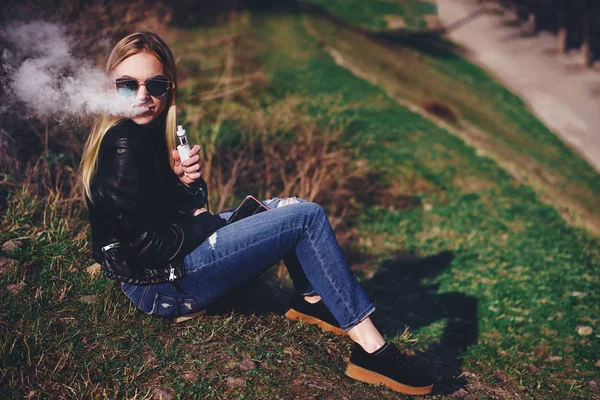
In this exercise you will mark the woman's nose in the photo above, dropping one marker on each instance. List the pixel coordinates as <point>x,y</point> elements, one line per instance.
<point>142,93</point>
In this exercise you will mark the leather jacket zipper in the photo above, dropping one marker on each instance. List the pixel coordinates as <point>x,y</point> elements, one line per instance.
<point>172,275</point>
<point>111,246</point>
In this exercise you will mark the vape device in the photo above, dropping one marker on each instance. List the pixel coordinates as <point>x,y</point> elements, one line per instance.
<point>183,147</point>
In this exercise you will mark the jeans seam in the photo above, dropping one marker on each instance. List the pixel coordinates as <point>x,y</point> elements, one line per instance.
<point>143,297</point>
<point>326,271</point>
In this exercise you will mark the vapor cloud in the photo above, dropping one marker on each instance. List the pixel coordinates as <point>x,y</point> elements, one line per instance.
<point>45,76</point>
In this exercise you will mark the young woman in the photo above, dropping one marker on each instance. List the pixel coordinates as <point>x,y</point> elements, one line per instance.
<point>152,232</point>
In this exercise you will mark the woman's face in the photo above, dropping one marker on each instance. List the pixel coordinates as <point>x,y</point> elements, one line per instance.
<point>141,67</point>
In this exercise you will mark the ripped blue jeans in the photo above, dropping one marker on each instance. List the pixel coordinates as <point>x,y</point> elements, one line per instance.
<point>294,230</point>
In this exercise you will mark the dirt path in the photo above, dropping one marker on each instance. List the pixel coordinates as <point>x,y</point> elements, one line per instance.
<point>556,87</point>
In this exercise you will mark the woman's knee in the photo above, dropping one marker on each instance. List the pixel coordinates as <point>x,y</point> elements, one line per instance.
<point>313,209</point>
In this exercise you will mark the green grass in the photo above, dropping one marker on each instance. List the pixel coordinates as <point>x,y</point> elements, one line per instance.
<point>487,114</point>
<point>484,275</point>
<point>514,255</point>
<point>372,14</point>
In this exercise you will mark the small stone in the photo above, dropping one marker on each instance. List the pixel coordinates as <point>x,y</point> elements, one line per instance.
<point>427,207</point>
<point>579,295</point>
<point>6,265</point>
<point>16,287</point>
<point>11,245</point>
<point>159,393</point>
<point>480,152</point>
<point>7,262</point>
<point>247,364</point>
<point>190,376</point>
<point>229,365</point>
<point>89,299</point>
<point>584,330</point>
<point>534,369</point>
<point>235,382</point>
<point>460,394</point>
<point>94,270</point>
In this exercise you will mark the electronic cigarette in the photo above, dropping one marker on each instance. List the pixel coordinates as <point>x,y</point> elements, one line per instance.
<point>183,147</point>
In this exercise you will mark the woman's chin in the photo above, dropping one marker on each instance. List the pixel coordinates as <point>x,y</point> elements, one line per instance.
<point>144,119</point>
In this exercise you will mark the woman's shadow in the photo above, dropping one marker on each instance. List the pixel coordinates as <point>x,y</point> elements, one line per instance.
<point>405,297</point>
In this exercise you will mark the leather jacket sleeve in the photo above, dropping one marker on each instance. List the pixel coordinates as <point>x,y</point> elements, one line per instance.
<point>146,240</point>
<point>192,196</point>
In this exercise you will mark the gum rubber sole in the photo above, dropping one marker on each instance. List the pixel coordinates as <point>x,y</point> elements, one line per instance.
<point>364,375</point>
<point>298,316</point>
<point>187,317</point>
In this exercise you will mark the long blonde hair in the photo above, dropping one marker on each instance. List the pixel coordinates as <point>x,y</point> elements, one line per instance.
<point>143,41</point>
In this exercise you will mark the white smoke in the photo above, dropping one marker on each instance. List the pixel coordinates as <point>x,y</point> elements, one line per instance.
<point>44,75</point>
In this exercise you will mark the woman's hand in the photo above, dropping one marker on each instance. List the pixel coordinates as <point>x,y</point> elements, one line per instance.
<point>198,211</point>
<point>191,169</point>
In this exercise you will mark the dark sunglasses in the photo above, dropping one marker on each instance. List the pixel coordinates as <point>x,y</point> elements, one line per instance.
<point>156,86</point>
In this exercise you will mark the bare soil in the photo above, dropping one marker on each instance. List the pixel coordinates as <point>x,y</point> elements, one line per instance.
<point>558,89</point>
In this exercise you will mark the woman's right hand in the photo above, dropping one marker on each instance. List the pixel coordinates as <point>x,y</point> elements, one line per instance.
<point>198,211</point>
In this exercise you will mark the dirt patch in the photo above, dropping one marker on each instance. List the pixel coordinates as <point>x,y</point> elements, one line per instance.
<point>472,184</point>
<point>433,22</point>
<point>478,390</point>
<point>395,22</point>
<point>440,110</point>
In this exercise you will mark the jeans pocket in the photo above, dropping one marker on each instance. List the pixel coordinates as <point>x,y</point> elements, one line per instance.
<point>136,294</point>
<point>165,306</point>
<point>128,289</point>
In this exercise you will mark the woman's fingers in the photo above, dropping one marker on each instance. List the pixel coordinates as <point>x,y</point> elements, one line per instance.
<point>198,211</point>
<point>191,161</point>
<point>193,168</point>
<point>195,150</point>
<point>193,175</point>
<point>177,168</point>
<point>198,166</point>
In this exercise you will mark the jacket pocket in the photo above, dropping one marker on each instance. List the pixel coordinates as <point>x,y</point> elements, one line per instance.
<point>165,306</point>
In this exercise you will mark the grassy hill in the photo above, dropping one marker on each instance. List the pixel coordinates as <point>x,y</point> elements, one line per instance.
<point>469,268</point>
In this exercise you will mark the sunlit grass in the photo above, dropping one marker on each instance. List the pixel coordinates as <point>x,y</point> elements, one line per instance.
<point>458,250</point>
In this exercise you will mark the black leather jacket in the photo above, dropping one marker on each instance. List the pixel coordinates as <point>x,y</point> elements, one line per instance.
<point>141,220</point>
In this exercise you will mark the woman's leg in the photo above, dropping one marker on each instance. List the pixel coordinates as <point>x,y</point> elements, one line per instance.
<point>364,333</point>
<point>238,252</point>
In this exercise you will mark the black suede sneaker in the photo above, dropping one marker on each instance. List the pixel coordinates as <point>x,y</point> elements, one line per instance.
<point>388,367</point>
<point>313,314</point>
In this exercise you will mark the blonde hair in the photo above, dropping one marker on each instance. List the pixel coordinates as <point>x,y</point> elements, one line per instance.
<point>139,42</point>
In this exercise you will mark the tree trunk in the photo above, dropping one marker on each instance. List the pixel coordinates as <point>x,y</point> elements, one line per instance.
<point>586,45</point>
<point>561,42</point>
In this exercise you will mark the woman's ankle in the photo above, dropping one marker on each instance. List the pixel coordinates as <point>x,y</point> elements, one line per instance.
<point>313,299</point>
<point>367,336</point>
<point>371,347</point>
